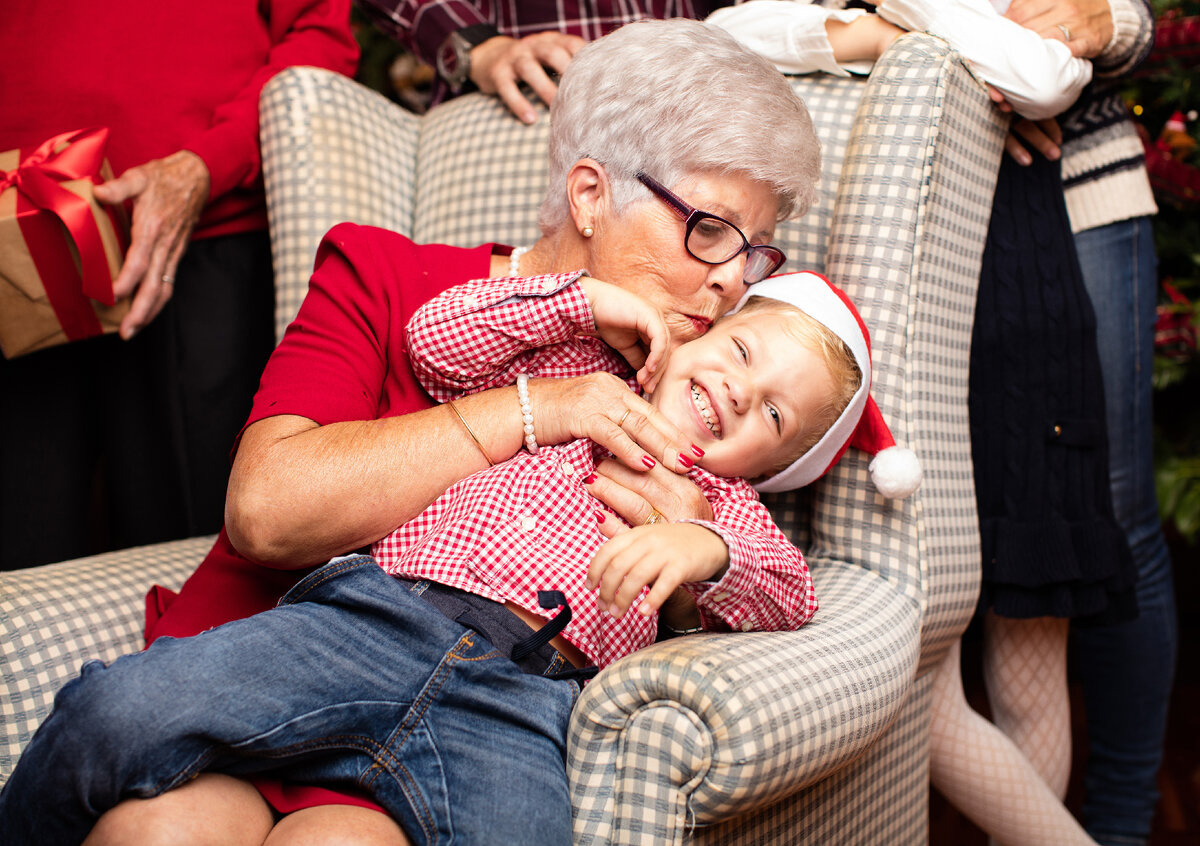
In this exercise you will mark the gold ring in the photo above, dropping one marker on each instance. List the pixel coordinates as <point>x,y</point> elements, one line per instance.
<point>621,422</point>
<point>1065,30</point>
<point>655,517</point>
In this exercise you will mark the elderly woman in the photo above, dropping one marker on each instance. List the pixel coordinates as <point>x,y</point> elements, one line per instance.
<point>342,447</point>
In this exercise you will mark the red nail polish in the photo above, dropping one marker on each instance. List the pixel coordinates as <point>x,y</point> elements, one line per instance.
<point>686,462</point>
<point>589,478</point>
<point>648,461</point>
<point>600,517</point>
<point>699,452</point>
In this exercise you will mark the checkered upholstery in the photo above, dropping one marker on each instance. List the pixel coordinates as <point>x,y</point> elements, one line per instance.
<point>817,736</point>
<point>55,618</point>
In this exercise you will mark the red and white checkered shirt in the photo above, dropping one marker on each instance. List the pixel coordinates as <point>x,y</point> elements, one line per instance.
<point>528,524</point>
<point>422,25</point>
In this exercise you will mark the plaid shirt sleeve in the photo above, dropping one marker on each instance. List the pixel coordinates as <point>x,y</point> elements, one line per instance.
<point>767,586</point>
<point>422,25</point>
<point>483,333</point>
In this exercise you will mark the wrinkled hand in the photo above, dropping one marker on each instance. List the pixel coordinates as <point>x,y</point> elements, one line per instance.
<point>1089,22</point>
<point>168,196</point>
<point>632,326</point>
<point>662,557</point>
<point>594,406</point>
<point>1045,136</point>
<point>500,64</point>
<point>635,496</point>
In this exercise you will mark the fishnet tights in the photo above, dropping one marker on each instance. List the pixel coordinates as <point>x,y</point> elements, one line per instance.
<point>980,770</point>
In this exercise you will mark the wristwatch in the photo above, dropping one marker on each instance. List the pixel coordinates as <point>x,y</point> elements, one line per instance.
<point>454,56</point>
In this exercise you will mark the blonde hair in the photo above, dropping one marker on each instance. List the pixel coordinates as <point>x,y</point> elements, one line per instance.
<point>675,98</point>
<point>838,359</point>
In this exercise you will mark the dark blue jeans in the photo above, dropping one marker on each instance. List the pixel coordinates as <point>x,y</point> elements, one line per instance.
<point>1127,669</point>
<point>353,680</point>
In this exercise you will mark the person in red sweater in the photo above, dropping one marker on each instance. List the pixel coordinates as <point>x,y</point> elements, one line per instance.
<point>159,406</point>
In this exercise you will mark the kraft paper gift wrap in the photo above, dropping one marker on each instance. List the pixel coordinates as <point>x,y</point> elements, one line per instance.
<point>59,248</point>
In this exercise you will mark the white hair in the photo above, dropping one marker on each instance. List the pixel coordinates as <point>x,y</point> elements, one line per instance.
<point>674,98</point>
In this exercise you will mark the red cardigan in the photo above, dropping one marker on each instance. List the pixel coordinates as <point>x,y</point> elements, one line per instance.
<point>165,76</point>
<point>343,358</point>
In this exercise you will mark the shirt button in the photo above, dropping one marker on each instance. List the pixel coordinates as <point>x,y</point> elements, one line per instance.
<point>549,284</point>
<point>747,626</point>
<point>568,468</point>
<point>528,524</point>
<point>470,301</point>
<point>720,596</point>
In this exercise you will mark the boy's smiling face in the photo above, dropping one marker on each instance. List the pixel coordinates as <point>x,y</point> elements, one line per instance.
<point>746,392</point>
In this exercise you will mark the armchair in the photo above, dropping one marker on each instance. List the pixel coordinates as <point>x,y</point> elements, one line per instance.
<point>815,736</point>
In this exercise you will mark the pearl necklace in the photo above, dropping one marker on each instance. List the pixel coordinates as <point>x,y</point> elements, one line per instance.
<point>514,261</point>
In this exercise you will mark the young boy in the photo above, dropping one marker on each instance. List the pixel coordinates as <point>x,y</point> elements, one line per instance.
<point>360,679</point>
<point>755,394</point>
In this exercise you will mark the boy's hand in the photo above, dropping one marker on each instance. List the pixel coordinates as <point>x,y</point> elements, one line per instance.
<point>662,556</point>
<point>630,325</point>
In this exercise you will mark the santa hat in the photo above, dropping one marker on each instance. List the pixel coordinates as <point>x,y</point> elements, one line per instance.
<point>894,470</point>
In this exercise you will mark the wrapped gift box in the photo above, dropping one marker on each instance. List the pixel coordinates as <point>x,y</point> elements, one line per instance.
<point>59,248</point>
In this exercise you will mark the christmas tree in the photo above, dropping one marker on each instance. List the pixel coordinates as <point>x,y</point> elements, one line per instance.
<point>1164,96</point>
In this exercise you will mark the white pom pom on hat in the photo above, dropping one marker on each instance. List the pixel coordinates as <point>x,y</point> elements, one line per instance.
<point>895,470</point>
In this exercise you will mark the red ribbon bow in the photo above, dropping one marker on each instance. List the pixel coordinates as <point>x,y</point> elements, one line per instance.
<point>38,177</point>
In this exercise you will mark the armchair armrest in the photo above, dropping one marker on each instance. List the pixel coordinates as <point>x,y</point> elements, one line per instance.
<point>55,618</point>
<point>697,729</point>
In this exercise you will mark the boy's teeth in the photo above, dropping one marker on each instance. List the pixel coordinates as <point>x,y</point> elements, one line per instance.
<point>701,400</point>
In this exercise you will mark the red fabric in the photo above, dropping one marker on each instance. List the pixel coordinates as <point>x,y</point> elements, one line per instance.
<point>165,77</point>
<point>342,359</point>
<point>493,533</point>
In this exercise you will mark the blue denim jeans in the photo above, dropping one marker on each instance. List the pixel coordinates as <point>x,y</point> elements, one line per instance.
<point>1127,669</point>
<point>353,680</point>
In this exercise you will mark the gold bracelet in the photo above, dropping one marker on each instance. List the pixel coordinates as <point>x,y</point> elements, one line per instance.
<point>471,432</point>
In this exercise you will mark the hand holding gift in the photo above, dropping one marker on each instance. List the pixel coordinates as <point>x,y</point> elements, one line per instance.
<point>59,249</point>
<point>168,195</point>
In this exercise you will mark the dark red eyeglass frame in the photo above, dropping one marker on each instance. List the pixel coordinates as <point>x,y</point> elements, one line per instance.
<point>764,259</point>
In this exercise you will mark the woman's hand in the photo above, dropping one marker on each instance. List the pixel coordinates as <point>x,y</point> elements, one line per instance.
<point>632,326</point>
<point>500,64</point>
<point>662,557</point>
<point>600,406</point>
<point>1089,22</point>
<point>168,196</point>
<point>635,497</point>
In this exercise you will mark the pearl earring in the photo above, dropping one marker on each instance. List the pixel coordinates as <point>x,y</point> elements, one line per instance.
<point>588,232</point>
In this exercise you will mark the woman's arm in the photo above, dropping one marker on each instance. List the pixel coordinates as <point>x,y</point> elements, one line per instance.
<point>1038,76</point>
<point>300,493</point>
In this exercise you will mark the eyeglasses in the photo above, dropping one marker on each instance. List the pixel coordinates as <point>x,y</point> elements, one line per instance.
<point>714,240</point>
